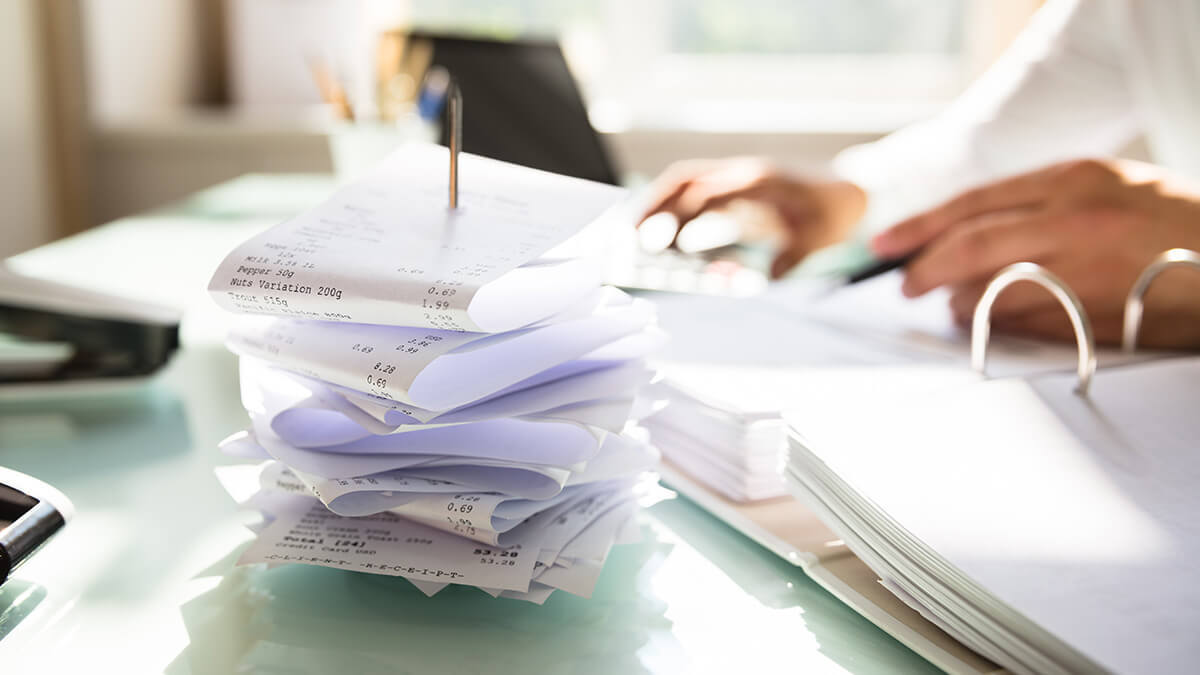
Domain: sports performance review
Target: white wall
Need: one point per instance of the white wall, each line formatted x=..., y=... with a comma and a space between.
x=26, y=218
x=146, y=57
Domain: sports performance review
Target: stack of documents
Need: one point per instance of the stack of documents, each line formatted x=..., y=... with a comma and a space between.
x=1051, y=532
x=440, y=394
x=723, y=427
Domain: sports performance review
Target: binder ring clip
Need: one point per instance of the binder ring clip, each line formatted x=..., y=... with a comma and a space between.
x=1134, y=305
x=981, y=327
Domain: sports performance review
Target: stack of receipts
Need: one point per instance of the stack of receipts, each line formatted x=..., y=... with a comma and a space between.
x=723, y=427
x=441, y=395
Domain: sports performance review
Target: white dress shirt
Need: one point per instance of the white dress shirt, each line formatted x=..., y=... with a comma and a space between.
x=1085, y=78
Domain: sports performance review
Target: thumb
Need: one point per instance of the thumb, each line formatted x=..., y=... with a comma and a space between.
x=786, y=260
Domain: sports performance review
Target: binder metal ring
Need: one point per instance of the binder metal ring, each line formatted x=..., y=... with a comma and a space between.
x=981, y=327
x=1134, y=304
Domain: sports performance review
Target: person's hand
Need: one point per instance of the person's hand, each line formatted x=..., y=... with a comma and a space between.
x=814, y=214
x=1096, y=224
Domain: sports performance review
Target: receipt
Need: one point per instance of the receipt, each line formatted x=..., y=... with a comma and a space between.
x=304, y=531
x=314, y=422
x=387, y=250
x=351, y=493
x=492, y=443
x=435, y=370
x=533, y=548
x=297, y=405
x=447, y=506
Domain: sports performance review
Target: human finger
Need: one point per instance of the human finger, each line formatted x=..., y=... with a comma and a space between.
x=975, y=250
x=1020, y=298
x=1023, y=191
x=705, y=194
x=668, y=186
x=787, y=258
x=1053, y=323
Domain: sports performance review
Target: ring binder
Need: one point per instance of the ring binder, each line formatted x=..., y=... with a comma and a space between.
x=1134, y=305
x=1025, y=271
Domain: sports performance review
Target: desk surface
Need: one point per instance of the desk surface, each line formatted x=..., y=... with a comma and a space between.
x=143, y=580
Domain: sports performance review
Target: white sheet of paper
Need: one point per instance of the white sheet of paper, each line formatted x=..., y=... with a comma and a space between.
x=586, y=553
x=549, y=442
x=620, y=380
x=538, y=594
x=429, y=588
x=619, y=457
x=387, y=250
x=725, y=425
x=308, y=415
x=924, y=330
x=328, y=433
x=435, y=370
x=1080, y=513
x=594, y=542
x=533, y=481
x=476, y=515
x=554, y=528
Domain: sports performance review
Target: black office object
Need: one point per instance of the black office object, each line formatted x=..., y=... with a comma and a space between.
x=881, y=267
x=30, y=512
x=525, y=106
x=86, y=334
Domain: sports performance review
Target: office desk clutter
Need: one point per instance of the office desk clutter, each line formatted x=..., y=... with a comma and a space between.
x=442, y=394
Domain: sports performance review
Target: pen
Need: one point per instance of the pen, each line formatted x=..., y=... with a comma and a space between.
x=881, y=267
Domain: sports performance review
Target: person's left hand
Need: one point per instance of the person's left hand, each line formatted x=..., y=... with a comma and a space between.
x=1095, y=223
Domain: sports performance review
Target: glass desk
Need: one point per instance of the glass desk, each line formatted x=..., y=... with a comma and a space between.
x=143, y=580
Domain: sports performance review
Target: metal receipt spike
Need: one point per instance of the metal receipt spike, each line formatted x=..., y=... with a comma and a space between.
x=1134, y=305
x=981, y=323
x=454, y=113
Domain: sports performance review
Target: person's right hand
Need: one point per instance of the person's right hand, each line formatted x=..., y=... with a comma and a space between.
x=814, y=213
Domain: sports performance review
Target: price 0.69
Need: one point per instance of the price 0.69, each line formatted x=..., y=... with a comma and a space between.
x=376, y=381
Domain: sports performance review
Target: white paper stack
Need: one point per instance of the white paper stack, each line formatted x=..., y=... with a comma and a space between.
x=1051, y=532
x=442, y=394
x=723, y=426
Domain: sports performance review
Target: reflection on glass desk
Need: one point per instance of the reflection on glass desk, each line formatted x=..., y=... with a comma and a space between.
x=143, y=580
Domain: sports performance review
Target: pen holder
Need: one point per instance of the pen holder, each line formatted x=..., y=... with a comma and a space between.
x=357, y=147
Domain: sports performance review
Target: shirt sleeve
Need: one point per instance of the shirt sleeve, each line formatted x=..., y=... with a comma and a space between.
x=1060, y=91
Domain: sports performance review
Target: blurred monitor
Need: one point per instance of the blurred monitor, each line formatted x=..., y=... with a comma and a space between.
x=521, y=105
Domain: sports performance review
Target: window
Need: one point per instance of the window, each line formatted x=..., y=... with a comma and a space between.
x=740, y=64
